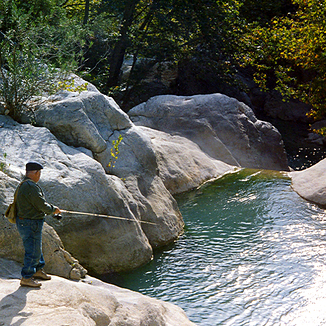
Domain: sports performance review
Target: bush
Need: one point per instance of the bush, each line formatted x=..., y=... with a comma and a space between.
x=34, y=54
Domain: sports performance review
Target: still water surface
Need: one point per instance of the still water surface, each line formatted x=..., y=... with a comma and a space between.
x=253, y=253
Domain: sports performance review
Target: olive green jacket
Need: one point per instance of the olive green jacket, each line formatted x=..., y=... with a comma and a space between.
x=30, y=202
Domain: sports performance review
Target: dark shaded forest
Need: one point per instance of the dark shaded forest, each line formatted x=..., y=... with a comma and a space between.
x=134, y=49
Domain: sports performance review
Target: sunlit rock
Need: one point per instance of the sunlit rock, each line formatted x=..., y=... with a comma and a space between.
x=223, y=128
x=311, y=183
x=89, y=302
x=181, y=162
x=74, y=181
x=92, y=120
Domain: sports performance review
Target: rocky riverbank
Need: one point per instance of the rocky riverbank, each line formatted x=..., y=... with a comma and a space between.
x=170, y=144
x=89, y=302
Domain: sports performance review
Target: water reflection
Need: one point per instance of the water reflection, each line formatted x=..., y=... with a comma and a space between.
x=253, y=254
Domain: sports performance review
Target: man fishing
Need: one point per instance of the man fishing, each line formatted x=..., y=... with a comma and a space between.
x=31, y=210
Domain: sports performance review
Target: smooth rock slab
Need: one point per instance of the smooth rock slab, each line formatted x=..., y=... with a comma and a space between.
x=85, y=120
x=89, y=302
x=311, y=183
x=182, y=164
x=223, y=128
x=92, y=120
x=137, y=167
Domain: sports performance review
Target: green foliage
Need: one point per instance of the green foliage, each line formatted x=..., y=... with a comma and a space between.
x=283, y=40
x=181, y=29
x=114, y=151
x=3, y=164
x=169, y=31
x=100, y=39
x=22, y=77
x=290, y=51
x=79, y=8
x=69, y=85
x=263, y=11
x=321, y=131
x=31, y=51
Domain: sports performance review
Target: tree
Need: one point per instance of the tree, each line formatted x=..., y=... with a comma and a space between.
x=34, y=52
x=291, y=53
x=80, y=9
x=121, y=45
x=172, y=30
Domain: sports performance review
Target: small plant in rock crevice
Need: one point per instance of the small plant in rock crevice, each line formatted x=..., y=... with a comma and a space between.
x=3, y=164
x=69, y=85
x=114, y=152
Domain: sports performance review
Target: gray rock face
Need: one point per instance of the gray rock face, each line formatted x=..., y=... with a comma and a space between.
x=311, y=183
x=222, y=127
x=182, y=164
x=85, y=120
x=74, y=181
x=137, y=167
x=177, y=144
x=68, y=118
x=89, y=303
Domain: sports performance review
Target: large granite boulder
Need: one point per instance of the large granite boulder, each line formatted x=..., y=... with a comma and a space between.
x=88, y=302
x=74, y=181
x=311, y=183
x=92, y=120
x=189, y=140
x=223, y=128
x=138, y=168
x=181, y=162
x=85, y=119
x=175, y=144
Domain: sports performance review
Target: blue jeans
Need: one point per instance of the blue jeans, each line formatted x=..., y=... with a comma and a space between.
x=31, y=233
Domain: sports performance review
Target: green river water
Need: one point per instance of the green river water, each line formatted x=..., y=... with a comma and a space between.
x=253, y=253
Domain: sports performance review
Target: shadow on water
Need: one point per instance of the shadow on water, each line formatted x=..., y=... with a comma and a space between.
x=253, y=253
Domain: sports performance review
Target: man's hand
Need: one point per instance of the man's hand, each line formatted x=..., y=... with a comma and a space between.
x=57, y=211
x=56, y=214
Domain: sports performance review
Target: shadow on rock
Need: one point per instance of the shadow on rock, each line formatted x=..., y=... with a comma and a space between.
x=12, y=306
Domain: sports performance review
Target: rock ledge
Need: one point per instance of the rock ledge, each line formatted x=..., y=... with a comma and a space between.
x=89, y=302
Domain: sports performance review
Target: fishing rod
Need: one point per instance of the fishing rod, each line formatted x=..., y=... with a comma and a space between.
x=105, y=216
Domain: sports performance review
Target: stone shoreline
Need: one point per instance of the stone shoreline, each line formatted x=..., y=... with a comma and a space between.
x=170, y=144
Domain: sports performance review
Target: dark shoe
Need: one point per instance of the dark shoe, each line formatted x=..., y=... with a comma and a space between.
x=31, y=282
x=40, y=274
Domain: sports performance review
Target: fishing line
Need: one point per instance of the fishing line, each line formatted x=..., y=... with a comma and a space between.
x=106, y=216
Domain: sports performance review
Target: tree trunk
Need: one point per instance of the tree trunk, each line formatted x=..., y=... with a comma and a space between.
x=86, y=12
x=120, y=47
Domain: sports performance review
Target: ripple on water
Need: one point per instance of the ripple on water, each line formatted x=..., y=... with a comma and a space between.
x=253, y=253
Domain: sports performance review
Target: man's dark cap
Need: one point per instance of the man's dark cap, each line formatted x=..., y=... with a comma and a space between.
x=33, y=166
